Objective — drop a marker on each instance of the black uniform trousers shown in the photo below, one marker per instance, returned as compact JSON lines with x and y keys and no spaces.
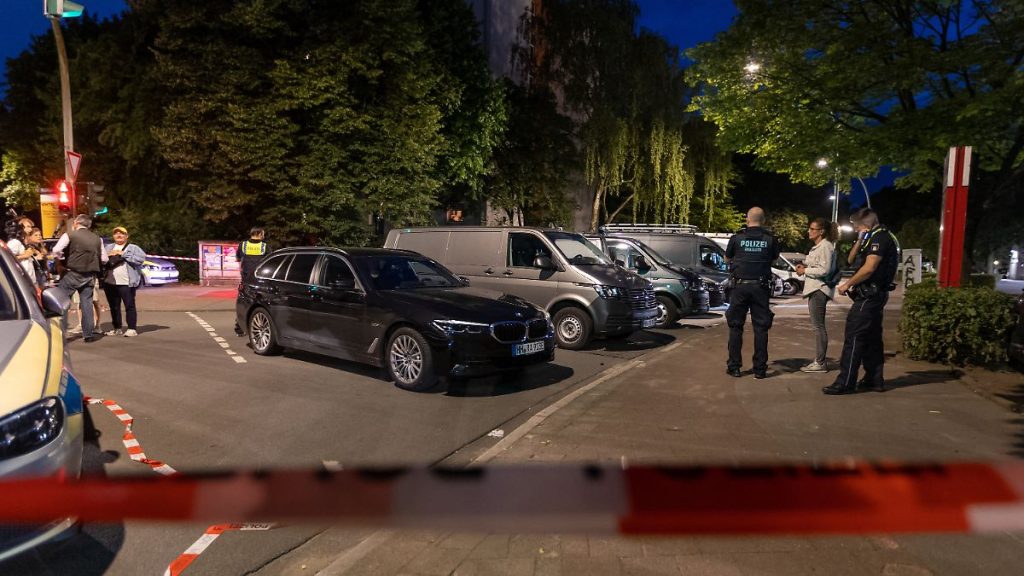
{"x":863,"y":342}
{"x":752,"y":297}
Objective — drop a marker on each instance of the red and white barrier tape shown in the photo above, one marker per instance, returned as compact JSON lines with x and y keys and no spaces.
{"x":186,"y":258}
{"x":204,"y":541}
{"x":135,"y":452}
{"x":863,"y":498}
{"x":131,"y":444}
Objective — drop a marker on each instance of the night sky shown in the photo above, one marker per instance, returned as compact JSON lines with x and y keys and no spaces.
{"x":683,"y":22}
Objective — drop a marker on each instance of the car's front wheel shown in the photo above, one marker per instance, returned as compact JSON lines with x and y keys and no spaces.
{"x":572,"y":328}
{"x":668,"y":312}
{"x":409,"y":361}
{"x":262,"y":333}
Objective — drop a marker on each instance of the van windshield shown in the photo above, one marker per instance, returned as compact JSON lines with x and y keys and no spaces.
{"x":577,"y":249}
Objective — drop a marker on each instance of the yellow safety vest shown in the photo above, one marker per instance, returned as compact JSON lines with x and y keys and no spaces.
{"x":254,"y":248}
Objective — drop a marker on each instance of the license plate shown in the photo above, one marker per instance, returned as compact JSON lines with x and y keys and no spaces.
{"x":527,"y":348}
{"x":650,"y":322}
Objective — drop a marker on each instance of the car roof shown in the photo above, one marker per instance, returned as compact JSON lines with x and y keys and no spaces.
{"x":480,"y":229}
{"x":353,"y":251}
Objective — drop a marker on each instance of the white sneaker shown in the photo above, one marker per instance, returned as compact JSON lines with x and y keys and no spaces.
{"x":130,"y":333}
{"x":75,"y":330}
{"x":815,"y":368}
{"x":114,"y":332}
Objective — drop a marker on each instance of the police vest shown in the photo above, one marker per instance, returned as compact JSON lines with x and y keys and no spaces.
{"x":253,"y":249}
{"x":752,"y":259}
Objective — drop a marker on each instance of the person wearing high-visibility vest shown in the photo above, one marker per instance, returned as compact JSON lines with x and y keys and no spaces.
{"x":249,"y":254}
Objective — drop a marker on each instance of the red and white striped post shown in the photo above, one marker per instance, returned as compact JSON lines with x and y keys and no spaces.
{"x":954,"y":215}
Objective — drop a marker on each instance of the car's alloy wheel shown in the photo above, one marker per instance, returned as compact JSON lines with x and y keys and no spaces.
{"x":262,"y":335}
{"x":572,"y":328}
{"x":409,"y":360}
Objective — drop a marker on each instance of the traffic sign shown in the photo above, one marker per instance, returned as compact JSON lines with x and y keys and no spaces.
{"x":74,"y":161}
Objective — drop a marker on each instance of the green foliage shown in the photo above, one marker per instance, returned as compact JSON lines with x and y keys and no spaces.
{"x":16,"y":185}
{"x":866,"y":84}
{"x":643,"y":157}
{"x":956,"y":326}
{"x":921,"y":233}
{"x":789,"y":228}
{"x":532,"y":165}
{"x":981,"y":281}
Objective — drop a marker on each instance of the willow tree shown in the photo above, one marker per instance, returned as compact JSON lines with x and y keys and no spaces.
{"x":626,"y":93}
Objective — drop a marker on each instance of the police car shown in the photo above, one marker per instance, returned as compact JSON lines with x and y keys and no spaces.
{"x":41,"y":421}
{"x":157,"y":271}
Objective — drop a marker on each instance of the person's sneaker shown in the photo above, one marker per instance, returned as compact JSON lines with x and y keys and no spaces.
{"x":815,"y":368}
{"x":75,"y":330}
{"x":114,"y":332}
{"x":129,"y":333}
{"x":92,"y":338}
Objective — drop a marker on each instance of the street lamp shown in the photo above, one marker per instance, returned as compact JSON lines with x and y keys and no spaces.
{"x":823,"y":163}
{"x":752,"y":67}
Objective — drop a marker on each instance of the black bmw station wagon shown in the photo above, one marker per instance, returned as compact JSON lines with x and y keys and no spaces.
{"x":389,"y":308}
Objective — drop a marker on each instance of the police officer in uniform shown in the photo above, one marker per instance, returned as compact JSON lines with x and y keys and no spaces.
{"x":878,"y":255}
{"x":750,"y":254}
{"x":249,"y":254}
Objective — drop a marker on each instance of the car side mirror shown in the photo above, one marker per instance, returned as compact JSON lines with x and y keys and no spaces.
{"x":641,"y":263}
{"x":56,"y":302}
{"x":544,"y":263}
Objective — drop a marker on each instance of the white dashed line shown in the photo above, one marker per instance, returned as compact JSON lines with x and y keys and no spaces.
{"x":219,"y":340}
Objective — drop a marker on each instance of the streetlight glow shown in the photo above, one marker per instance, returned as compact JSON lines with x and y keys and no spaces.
{"x":832,"y":197}
{"x":846,"y":228}
{"x":752,"y":67}
{"x":822,"y":163}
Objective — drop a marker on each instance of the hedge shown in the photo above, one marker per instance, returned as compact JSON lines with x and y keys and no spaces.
{"x":956,"y":326}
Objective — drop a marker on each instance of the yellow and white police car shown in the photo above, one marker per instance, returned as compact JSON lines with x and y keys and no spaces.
{"x":41,"y":404}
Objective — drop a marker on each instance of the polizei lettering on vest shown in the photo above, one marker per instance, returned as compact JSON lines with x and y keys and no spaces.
{"x":754,"y":244}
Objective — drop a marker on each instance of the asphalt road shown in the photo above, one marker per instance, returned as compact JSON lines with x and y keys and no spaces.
{"x":200,"y":404}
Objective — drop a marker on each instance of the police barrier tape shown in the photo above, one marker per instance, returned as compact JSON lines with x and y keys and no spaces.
{"x":187,"y":258}
{"x":860,"y":498}
{"x":131,"y":444}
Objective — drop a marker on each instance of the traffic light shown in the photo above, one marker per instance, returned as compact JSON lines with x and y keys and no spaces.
{"x":61,"y":9}
{"x":65,"y":198}
{"x":94,"y":199}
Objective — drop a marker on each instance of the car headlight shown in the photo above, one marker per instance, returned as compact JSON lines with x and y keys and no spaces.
{"x":31,"y":427}
{"x":609,"y":292}
{"x":449,"y":327}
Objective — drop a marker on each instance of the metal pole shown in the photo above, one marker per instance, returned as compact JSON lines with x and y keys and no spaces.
{"x":867,"y":197}
{"x":65,"y":97}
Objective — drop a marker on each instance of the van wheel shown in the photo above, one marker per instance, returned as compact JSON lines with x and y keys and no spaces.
{"x":573,"y":328}
{"x":409,"y":361}
{"x":262,"y":333}
{"x":668,"y":312}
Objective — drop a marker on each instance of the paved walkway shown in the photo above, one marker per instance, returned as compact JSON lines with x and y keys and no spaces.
{"x":678,"y":406}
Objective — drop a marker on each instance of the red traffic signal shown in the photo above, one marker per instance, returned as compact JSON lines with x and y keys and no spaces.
{"x":65,"y":197}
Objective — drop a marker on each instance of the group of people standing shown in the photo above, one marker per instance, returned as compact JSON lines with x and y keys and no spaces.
{"x":874,"y":258}
{"x":86,"y":265}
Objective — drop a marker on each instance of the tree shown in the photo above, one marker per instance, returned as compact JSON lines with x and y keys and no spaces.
{"x":789,"y":228}
{"x":870,"y":83}
{"x":921,"y":233}
{"x":626,"y":94}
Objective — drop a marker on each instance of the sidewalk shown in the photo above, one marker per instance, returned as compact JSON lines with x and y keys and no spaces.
{"x":654,"y":414}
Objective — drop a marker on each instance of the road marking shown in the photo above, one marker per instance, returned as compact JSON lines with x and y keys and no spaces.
{"x":509,"y":439}
{"x":218,"y":339}
{"x":353,"y":555}
{"x":204,"y":541}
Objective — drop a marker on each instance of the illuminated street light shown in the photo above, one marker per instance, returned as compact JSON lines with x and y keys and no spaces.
{"x":832,"y":197}
{"x":752,"y":67}
{"x":822,"y":163}
{"x":846,"y":228}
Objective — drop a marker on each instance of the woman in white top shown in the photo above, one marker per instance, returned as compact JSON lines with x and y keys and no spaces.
{"x":815,"y":269}
{"x":122,"y":278}
{"x":19,"y":247}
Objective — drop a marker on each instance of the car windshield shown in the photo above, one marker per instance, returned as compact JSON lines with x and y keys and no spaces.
{"x":406,"y":273}
{"x":577,"y":249}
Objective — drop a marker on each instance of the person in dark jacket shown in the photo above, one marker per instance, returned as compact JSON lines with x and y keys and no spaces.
{"x":249,"y":254}
{"x":84,"y":257}
{"x":750,"y":254}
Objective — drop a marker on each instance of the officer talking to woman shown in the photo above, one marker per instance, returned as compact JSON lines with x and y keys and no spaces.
{"x":878,"y":255}
{"x":750,"y":254}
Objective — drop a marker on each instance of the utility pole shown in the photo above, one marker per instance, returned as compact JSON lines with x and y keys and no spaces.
{"x":55,"y":10}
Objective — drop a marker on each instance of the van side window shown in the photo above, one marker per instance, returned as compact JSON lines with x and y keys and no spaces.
{"x":711,"y":258}
{"x":623,"y":254}
{"x":523,"y":248}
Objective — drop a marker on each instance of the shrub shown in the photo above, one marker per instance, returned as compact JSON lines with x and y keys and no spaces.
{"x":981,"y":281}
{"x":956,"y":326}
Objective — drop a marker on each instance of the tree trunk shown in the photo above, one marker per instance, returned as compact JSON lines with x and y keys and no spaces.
{"x":595,"y":214}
